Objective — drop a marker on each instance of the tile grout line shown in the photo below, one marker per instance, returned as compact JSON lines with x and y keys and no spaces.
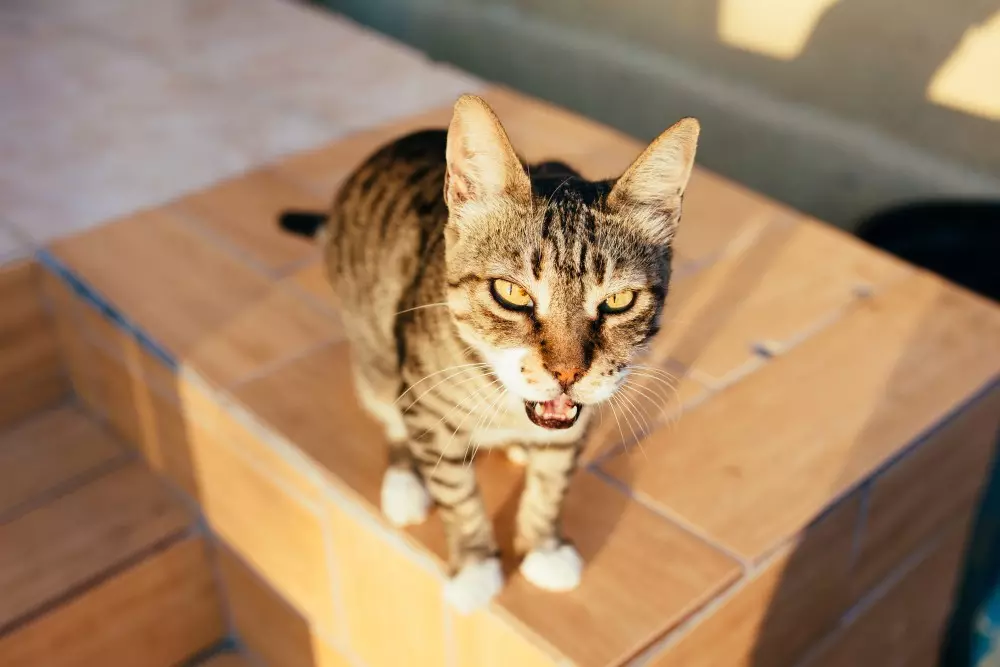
{"x":669,"y":515}
{"x":276,"y":365}
{"x":878,"y":592}
{"x":123,"y":565}
{"x":67,"y":487}
{"x":695,"y":618}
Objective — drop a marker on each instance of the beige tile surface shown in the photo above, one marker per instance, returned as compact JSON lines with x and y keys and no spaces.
{"x":82,"y":535}
{"x":759,"y":461}
{"x":382,"y":587}
{"x":118,"y":107}
{"x":278,"y":534}
{"x":243,"y":213}
{"x":776,"y":613}
{"x":792,"y":278}
{"x":48,"y":450}
{"x":270,"y":627}
{"x":165,"y":609}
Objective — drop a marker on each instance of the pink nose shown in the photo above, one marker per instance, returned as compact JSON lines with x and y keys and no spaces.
{"x":567,"y":376}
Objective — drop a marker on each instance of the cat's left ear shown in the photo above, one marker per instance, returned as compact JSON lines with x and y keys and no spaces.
{"x":653,"y":186}
{"x":482,"y":164}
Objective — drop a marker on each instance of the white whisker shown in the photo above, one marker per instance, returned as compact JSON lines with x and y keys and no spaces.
{"x":460,"y":368}
{"x":426,"y":305}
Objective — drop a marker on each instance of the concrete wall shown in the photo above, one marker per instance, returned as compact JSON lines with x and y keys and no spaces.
{"x":838,"y":107}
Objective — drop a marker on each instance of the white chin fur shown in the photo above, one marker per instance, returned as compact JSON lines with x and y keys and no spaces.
{"x":474,"y":585}
{"x":557,"y":569}
{"x":405,"y":501}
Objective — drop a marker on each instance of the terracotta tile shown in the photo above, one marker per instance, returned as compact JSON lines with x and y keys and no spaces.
{"x":313,"y":281}
{"x":227,"y":660}
{"x":759,"y":461}
{"x":905,"y":625}
{"x":82,"y":535}
{"x":310,"y":402}
{"x":147,"y":418}
{"x":220,"y":419}
{"x":643,"y":575}
{"x":770,"y":293}
{"x":19,"y":401}
{"x":116,"y":376}
{"x":272,"y":329}
{"x":243,"y":214}
{"x":720,"y":214}
{"x":63,"y":306}
{"x":323,"y":169}
{"x":937,"y":484}
{"x":217,"y":314}
{"x":381,"y":587}
{"x":48,"y":450}
{"x":487,"y":639}
{"x":324,"y":421}
{"x":172,"y":283}
{"x":649,"y":400}
{"x":266,"y":623}
{"x":165,"y":609}
{"x":31,"y":369}
{"x":777,"y":612}
{"x":266,"y":524}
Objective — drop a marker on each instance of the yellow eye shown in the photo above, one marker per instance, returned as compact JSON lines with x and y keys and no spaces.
{"x":618,"y":302}
{"x":511,"y":295}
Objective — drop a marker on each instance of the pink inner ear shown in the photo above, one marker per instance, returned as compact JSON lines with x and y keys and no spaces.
{"x":457,"y":187}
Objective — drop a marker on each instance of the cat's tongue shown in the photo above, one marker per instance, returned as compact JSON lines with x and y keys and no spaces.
{"x":560,"y":412}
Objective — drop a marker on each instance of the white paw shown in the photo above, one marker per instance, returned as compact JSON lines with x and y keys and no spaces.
{"x":474,"y":586}
{"x":517,"y":455}
{"x":405,"y":501}
{"x":556,"y":569}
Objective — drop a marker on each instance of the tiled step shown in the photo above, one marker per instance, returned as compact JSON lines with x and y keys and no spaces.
{"x":836,"y":415}
{"x":100,"y":564}
{"x":32,"y":375}
{"x":226,"y":660}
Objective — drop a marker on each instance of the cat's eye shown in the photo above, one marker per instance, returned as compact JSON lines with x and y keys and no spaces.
{"x":511,"y":295}
{"x":618,"y":302}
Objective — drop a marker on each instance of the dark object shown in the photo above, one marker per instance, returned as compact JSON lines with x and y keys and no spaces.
{"x":960,"y":241}
{"x":302,"y":223}
{"x":957,"y":240}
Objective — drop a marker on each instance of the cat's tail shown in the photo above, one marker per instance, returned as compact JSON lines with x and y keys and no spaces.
{"x":303,"y":223}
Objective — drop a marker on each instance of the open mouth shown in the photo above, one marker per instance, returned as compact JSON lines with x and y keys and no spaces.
{"x":560,"y":412}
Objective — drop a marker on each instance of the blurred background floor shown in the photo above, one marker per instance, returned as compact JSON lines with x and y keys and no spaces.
{"x":111,"y":106}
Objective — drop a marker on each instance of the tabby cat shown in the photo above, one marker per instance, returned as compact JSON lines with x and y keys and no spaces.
{"x":489,"y":303}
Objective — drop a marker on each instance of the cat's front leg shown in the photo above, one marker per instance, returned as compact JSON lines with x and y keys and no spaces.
{"x":472,"y":549}
{"x":549,"y":561}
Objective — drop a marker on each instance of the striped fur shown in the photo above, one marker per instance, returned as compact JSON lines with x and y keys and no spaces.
{"x":414,"y":239}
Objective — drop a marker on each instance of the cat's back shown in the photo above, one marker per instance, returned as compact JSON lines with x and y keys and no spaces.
{"x":386,"y":226}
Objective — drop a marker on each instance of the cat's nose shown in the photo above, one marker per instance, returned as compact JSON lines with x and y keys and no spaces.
{"x":567,"y":375}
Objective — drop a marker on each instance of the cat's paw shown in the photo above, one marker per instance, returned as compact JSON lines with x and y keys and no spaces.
{"x":474,"y":586}
{"x":405,"y":501}
{"x":553,"y":568}
{"x":517,"y":455}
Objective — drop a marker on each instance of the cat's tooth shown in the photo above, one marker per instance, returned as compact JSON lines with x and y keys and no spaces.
{"x":539,"y":410}
{"x":572,"y":411}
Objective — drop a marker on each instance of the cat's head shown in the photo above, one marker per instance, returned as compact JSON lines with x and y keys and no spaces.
{"x":557,"y":283}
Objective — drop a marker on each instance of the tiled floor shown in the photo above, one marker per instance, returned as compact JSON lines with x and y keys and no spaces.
{"x":808,"y":365}
{"x":831,"y":399}
{"x":112,"y":106}
{"x":100,"y":563}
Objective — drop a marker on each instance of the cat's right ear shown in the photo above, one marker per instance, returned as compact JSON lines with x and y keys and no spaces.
{"x":482,"y":164}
